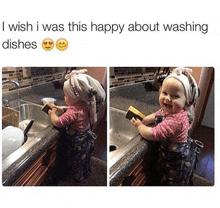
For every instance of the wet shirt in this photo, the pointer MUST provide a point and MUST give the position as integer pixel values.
(174, 127)
(77, 116)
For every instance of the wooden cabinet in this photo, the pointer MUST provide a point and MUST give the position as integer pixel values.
(137, 176)
(143, 172)
(38, 172)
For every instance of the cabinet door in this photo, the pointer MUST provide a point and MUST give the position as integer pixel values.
(136, 177)
(37, 172)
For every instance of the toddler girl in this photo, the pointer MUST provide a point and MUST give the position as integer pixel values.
(177, 154)
(83, 95)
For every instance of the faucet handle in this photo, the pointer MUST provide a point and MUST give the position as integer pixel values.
(5, 102)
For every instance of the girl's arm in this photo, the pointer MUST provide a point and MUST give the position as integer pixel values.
(60, 108)
(149, 119)
(144, 131)
(54, 117)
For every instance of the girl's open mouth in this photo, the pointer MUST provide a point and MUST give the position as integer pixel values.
(167, 105)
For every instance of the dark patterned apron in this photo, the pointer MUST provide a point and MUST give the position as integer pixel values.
(176, 162)
(79, 146)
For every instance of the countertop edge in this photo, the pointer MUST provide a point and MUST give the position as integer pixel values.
(14, 171)
(127, 162)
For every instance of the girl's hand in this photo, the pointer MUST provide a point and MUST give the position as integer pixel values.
(54, 110)
(144, 131)
(54, 118)
(136, 122)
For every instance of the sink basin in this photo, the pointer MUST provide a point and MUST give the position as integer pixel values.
(33, 111)
(123, 136)
(40, 127)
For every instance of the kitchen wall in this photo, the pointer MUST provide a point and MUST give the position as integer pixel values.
(120, 76)
(208, 119)
(30, 76)
(204, 109)
(196, 72)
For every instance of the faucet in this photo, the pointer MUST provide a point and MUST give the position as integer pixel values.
(17, 85)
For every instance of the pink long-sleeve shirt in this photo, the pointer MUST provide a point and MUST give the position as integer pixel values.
(173, 128)
(77, 116)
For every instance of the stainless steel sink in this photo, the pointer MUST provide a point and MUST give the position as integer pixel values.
(123, 136)
(40, 127)
(33, 111)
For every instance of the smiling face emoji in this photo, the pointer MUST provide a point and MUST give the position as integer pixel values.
(61, 44)
(47, 44)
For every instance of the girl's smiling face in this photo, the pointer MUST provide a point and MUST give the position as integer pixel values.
(172, 97)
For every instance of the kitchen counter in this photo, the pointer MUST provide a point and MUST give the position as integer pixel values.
(145, 101)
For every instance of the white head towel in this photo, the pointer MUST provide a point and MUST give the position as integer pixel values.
(184, 75)
(83, 87)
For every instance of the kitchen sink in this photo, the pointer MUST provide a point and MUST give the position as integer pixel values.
(42, 126)
(33, 111)
(123, 136)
